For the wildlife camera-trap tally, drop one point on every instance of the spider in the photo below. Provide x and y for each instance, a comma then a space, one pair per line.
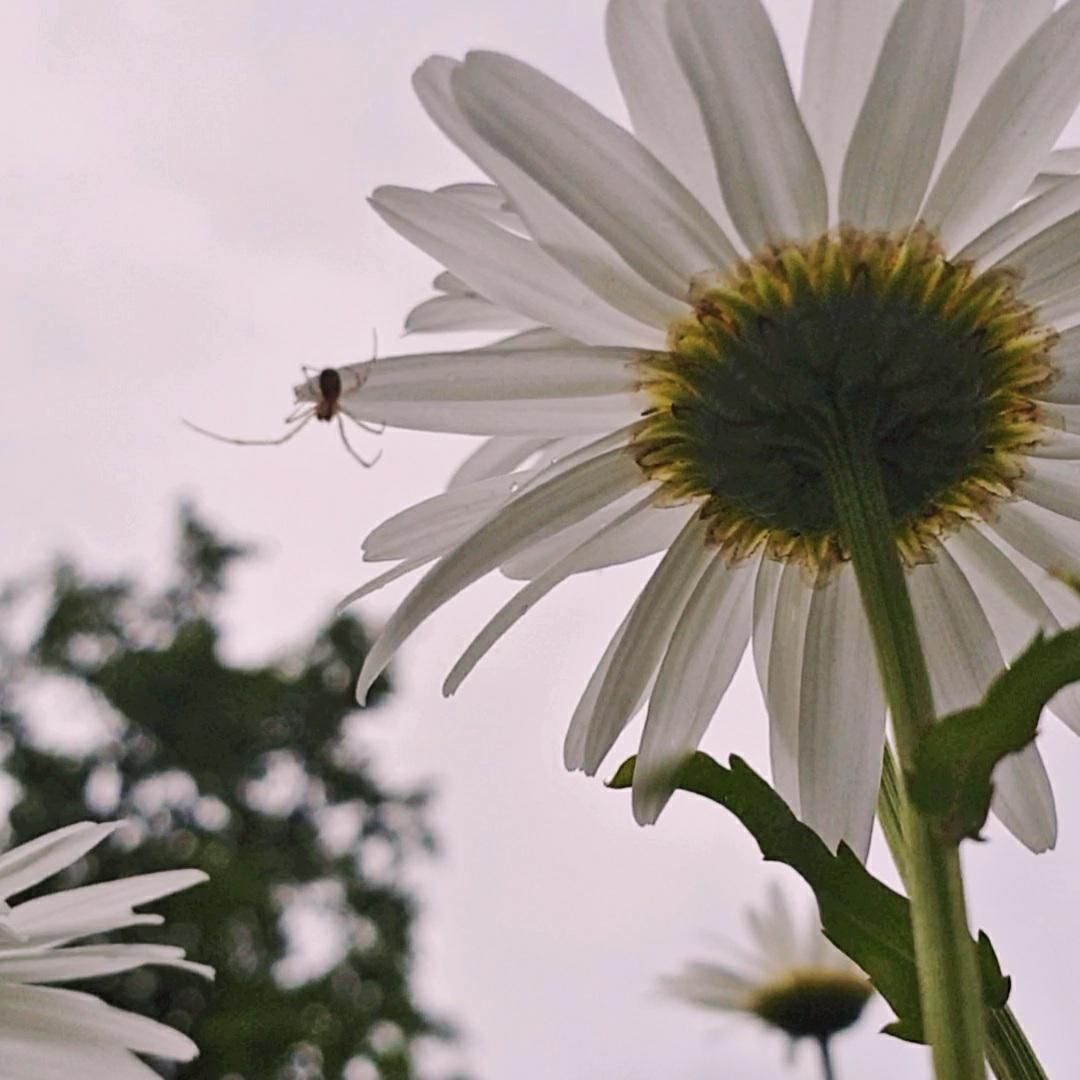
326, 388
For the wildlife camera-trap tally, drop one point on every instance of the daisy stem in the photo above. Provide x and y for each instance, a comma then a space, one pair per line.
1008, 1051
950, 989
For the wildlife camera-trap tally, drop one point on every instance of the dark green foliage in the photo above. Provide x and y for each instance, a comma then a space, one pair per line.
860, 915
957, 756
194, 766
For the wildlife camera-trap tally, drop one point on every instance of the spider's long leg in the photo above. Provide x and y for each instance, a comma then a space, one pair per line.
348, 446
366, 425
250, 442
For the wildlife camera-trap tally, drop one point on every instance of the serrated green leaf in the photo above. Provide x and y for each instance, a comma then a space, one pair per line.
862, 916
956, 757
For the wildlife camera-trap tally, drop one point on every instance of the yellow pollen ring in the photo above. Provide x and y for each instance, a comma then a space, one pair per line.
934, 366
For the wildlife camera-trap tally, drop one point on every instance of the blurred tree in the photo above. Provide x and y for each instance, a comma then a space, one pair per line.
256, 776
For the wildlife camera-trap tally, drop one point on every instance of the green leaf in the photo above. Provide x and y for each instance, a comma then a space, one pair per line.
956, 757
862, 916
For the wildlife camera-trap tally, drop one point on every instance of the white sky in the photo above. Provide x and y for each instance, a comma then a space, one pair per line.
183, 220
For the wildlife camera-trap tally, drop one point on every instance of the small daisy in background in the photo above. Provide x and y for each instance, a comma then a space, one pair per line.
793, 979
52, 1034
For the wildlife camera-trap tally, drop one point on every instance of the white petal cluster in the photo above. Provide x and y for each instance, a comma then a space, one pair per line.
48, 1033
583, 246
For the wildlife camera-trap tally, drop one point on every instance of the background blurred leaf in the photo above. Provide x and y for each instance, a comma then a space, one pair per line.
257, 775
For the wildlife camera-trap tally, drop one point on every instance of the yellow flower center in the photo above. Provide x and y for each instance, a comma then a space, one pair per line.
812, 1003
878, 340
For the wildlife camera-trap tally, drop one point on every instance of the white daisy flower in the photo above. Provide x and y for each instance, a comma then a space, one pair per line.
52, 1034
793, 979
702, 306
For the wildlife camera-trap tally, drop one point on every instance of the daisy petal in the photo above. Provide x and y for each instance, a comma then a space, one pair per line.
432, 527
997, 244
595, 168
74, 1016
841, 718
643, 644
563, 236
706, 647
769, 173
453, 313
95, 909
662, 107
489, 200
842, 48
28, 864
1053, 485
90, 961
993, 31
1010, 132
580, 558
1050, 260
496, 456
782, 691
655, 530
508, 269
533, 515
963, 662
895, 142
581, 722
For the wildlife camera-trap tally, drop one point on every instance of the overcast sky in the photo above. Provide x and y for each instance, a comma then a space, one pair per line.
182, 207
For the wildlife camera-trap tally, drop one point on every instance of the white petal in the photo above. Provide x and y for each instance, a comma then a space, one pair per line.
1054, 485
69, 1015
631, 301
595, 168
1015, 608
90, 961
494, 457
406, 566
706, 647
581, 721
769, 173
663, 110
782, 684
580, 558
1049, 263
998, 243
841, 718
1024, 800
1010, 133
534, 514
655, 531
489, 199
507, 269
538, 337
1060, 417
453, 313
646, 638
842, 48
1048, 540
963, 658
42, 1055
94, 909
1056, 443
33, 862
440, 523
993, 31
495, 375
895, 142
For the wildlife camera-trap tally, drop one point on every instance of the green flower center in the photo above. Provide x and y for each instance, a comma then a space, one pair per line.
812, 1003
880, 341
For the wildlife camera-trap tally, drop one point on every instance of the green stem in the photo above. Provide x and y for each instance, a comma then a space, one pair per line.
826, 1060
1007, 1049
949, 984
